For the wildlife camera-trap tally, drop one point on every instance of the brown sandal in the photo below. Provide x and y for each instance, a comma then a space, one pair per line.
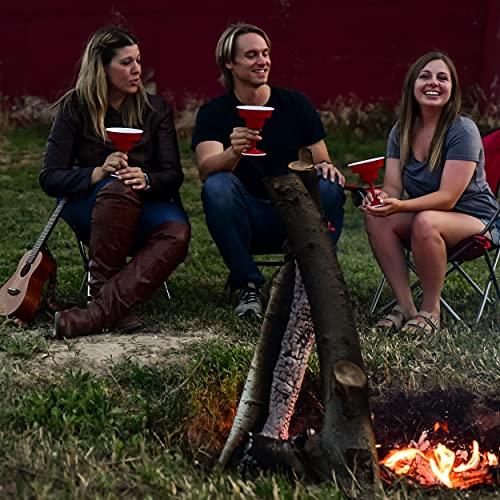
398, 317
428, 324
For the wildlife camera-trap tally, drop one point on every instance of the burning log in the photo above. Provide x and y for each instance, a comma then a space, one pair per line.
439, 465
253, 406
291, 365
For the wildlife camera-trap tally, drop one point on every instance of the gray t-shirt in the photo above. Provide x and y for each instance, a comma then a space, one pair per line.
462, 142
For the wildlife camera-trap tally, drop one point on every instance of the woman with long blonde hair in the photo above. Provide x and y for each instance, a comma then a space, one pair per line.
435, 156
119, 204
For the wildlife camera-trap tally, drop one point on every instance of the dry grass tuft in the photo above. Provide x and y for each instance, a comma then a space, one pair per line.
482, 110
185, 117
350, 116
30, 110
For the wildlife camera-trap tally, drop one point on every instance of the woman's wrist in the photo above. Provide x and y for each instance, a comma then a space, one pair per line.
98, 174
148, 181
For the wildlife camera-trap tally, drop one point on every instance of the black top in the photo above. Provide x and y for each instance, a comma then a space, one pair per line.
74, 150
294, 124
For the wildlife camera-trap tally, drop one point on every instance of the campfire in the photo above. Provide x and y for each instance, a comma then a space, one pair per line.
431, 463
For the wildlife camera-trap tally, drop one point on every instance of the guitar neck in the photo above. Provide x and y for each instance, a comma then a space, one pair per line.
42, 239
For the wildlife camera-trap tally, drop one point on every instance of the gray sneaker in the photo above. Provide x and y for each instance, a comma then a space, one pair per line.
250, 301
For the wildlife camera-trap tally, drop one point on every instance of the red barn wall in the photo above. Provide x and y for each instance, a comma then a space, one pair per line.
325, 48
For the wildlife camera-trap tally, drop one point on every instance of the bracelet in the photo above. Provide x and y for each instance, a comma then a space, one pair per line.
148, 181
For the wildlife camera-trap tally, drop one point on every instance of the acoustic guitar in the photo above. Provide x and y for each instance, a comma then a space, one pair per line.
20, 296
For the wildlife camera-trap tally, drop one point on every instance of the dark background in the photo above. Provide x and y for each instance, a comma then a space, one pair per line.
323, 48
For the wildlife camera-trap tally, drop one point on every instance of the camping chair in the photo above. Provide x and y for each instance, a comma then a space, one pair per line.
269, 259
472, 248
86, 278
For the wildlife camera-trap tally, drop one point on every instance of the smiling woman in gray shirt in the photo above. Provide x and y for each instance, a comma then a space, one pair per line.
435, 155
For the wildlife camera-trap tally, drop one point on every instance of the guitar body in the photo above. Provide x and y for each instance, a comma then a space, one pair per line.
22, 293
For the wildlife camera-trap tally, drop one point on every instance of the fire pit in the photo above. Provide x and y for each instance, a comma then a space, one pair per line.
432, 464
439, 439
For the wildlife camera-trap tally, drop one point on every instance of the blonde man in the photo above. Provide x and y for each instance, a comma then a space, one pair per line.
239, 215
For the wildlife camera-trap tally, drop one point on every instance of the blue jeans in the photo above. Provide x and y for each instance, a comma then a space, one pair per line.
78, 215
242, 225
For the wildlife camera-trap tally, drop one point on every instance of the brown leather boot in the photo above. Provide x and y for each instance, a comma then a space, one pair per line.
114, 223
152, 264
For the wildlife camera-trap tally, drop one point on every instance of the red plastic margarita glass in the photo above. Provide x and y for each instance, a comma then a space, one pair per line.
254, 116
123, 138
368, 171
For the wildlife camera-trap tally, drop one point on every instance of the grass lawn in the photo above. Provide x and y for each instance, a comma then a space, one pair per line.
145, 415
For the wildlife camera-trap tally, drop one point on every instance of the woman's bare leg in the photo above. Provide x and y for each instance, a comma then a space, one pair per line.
432, 232
386, 235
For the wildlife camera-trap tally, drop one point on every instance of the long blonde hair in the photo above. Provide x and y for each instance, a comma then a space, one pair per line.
92, 85
409, 110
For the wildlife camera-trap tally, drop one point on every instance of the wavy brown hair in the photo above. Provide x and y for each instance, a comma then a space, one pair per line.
410, 110
91, 85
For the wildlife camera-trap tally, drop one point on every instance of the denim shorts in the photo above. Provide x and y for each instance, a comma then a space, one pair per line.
494, 231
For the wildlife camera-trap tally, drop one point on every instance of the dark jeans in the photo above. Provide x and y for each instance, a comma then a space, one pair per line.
242, 225
78, 215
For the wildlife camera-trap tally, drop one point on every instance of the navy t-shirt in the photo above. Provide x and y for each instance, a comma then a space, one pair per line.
294, 124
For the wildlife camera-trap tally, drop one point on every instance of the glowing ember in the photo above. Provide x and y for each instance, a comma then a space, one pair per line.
440, 465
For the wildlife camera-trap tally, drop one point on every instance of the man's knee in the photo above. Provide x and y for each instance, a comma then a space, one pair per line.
221, 190
332, 194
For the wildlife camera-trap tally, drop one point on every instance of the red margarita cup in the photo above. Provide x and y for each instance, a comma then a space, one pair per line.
368, 171
123, 137
254, 116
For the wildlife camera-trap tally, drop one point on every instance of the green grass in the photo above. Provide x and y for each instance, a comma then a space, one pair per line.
154, 431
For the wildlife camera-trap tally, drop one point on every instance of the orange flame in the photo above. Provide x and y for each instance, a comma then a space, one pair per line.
439, 465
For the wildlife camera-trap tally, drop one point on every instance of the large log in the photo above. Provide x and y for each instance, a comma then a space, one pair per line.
254, 402
345, 447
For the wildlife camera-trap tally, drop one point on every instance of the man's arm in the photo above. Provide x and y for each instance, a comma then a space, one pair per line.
322, 162
211, 157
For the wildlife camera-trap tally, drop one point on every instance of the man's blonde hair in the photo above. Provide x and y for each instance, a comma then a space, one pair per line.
226, 49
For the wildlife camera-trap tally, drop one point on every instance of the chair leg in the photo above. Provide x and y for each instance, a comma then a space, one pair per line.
86, 278
450, 309
167, 290
377, 295
491, 279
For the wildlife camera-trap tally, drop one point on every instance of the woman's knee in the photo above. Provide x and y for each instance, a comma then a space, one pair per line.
117, 189
423, 227
183, 237
177, 235
377, 227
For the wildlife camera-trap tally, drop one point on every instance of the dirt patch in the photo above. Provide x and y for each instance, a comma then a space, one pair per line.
98, 353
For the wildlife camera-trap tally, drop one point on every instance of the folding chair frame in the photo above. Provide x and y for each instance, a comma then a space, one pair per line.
455, 259
86, 278
260, 263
